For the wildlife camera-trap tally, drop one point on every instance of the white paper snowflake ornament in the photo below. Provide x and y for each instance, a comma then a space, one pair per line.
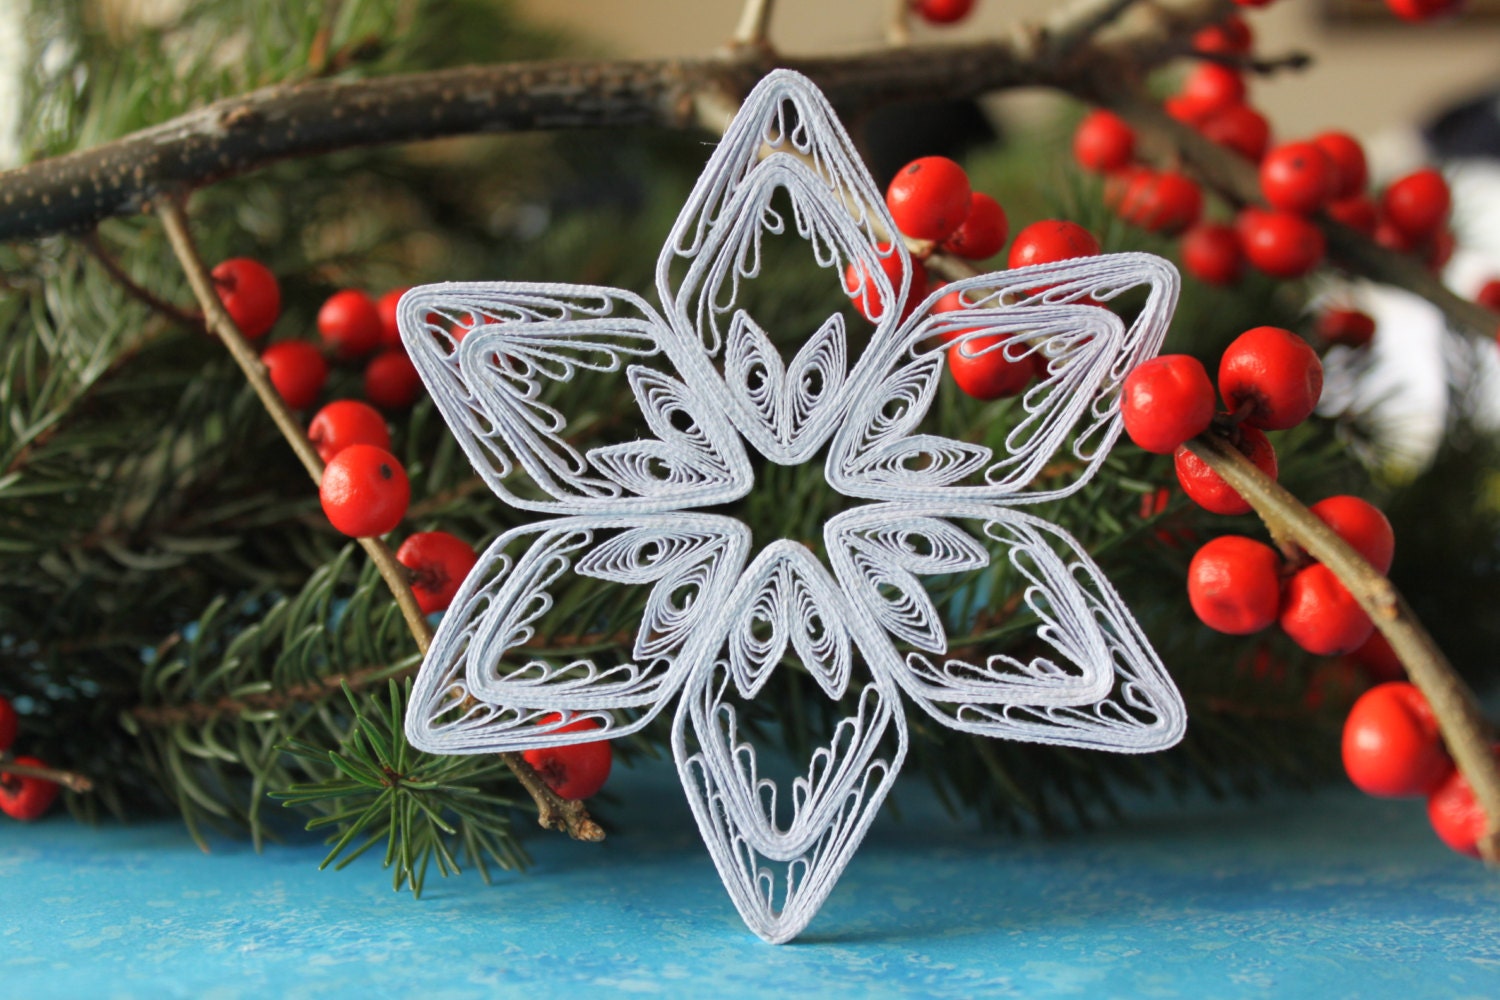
715, 622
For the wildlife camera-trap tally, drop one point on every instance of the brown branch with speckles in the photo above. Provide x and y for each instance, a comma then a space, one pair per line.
242, 134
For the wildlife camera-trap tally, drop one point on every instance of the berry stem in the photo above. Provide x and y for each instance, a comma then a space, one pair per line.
70, 780
112, 267
1074, 26
553, 812
1457, 710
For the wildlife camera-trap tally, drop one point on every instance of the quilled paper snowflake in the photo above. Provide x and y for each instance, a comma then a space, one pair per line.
715, 622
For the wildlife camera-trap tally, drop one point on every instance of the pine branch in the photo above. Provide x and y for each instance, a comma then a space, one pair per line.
416, 803
553, 811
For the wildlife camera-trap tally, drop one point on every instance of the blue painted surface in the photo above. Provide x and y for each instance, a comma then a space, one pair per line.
1330, 896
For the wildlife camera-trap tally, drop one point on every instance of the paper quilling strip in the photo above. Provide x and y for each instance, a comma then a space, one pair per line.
716, 618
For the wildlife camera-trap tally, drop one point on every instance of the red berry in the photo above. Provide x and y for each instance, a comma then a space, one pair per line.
990, 375
1165, 401
1417, 11
391, 380
1378, 659
1186, 110
390, 333
350, 324
1240, 128
1333, 686
24, 797
1252, 3
1203, 485
250, 295
344, 422
1358, 213
1392, 746
942, 11
1440, 250
1347, 157
1234, 585
951, 302
1117, 185
1049, 241
364, 491
1103, 142
867, 297
1348, 327
577, 770
1489, 295
1274, 370
1417, 205
1456, 815
1363, 526
1166, 202
983, 232
1213, 87
297, 370
438, 562
10, 723
929, 198
1230, 37
1297, 177
1322, 616
1281, 244
1211, 253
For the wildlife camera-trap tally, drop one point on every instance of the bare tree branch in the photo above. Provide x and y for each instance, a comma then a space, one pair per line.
242, 134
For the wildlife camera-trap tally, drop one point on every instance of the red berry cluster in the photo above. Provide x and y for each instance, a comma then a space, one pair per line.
352, 325
1239, 586
365, 492
931, 201
1325, 174
1392, 748
22, 796
1270, 379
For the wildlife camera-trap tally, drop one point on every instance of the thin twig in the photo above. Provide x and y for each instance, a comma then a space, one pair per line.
1295, 61
755, 22
1075, 27
553, 811
71, 780
898, 22
95, 247
1457, 711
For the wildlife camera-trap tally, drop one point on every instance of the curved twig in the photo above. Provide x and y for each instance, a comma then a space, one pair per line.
71, 780
1454, 705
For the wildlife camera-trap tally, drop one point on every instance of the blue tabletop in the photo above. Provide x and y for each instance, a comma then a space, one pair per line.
1325, 896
